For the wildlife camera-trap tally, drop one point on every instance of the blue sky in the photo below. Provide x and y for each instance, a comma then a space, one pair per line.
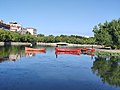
57, 17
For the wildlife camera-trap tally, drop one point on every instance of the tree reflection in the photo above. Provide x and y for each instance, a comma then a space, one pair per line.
14, 53
108, 69
11, 53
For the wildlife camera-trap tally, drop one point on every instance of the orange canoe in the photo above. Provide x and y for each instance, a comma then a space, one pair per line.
35, 49
67, 49
87, 49
92, 50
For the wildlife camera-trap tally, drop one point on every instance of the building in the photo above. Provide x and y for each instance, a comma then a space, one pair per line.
14, 26
32, 31
23, 31
4, 26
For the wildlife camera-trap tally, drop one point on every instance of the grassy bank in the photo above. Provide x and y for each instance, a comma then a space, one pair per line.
107, 53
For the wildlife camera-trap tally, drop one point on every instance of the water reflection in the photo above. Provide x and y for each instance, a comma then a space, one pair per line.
55, 73
14, 53
87, 53
11, 53
108, 69
74, 53
32, 53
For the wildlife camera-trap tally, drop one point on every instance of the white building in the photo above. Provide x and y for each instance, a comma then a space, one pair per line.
14, 26
23, 31
32, 31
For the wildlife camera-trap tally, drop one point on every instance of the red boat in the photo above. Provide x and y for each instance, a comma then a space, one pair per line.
91, 50
84, 49
67, 49
35, 49
87, 49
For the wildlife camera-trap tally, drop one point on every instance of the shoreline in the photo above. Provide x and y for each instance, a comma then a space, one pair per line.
97, 47
109, 51
70, 45
49, 44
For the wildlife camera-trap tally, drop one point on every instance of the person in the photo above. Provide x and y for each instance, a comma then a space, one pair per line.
31, 45
56, 45
92, 46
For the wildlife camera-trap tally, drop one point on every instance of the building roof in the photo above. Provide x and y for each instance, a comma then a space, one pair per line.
30, 28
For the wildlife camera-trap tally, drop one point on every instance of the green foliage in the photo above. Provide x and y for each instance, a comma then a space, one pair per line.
64, 38
107, 54
8, 36
108, 34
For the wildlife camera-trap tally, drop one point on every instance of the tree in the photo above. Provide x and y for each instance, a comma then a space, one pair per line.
108, 34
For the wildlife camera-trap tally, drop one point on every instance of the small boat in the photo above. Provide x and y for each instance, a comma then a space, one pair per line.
84, 49
35, 49
67, 49
87, 50
91, 50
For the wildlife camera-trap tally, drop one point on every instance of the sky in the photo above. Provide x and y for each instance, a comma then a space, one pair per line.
56, 17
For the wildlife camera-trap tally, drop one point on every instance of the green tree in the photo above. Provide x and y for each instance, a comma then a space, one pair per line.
108, 34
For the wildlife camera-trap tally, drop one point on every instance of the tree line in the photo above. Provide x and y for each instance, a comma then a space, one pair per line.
108, 34
64, 38
11, 36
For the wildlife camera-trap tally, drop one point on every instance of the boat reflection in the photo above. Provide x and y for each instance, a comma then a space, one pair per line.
11, 53
108, 69
14, 57
72, 53
15, 53
32, 53
75, 53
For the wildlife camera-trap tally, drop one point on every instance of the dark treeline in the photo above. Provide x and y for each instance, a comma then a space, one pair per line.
108, 34
10, 36
64, 38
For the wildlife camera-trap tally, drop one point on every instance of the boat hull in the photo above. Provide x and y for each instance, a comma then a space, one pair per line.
67, 50
87, 50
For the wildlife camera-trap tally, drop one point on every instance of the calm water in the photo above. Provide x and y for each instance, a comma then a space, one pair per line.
43, 71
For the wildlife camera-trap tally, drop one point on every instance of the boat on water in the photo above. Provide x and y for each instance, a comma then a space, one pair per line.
87, 49
74, 49
35, 49
91, 50
67, 49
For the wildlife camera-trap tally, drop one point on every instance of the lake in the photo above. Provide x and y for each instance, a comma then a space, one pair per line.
47, 71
